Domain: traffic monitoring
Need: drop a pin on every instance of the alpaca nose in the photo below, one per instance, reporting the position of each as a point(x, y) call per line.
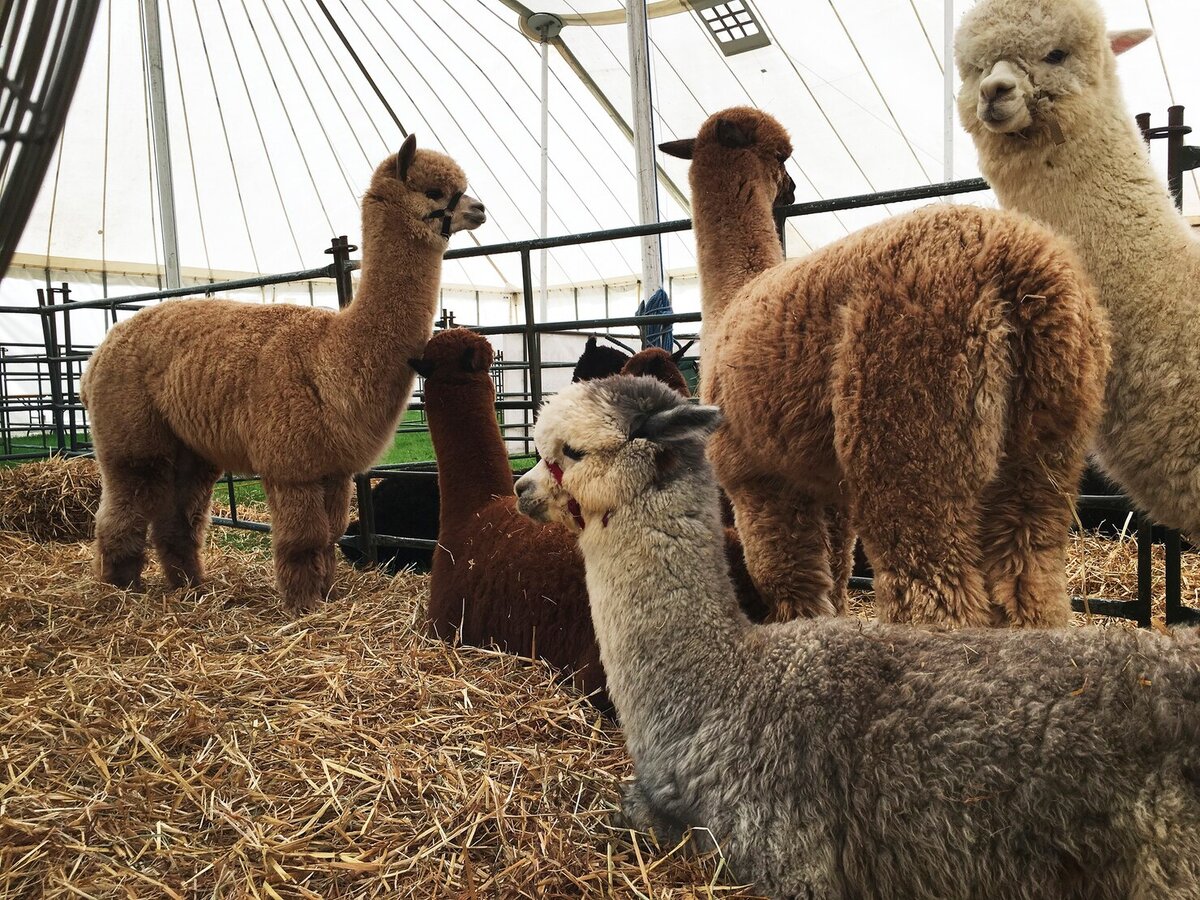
point(472, 210)
point(999, 83)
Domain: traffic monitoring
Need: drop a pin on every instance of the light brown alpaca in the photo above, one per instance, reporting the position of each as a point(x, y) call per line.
point(303, 396)
point(938, 376)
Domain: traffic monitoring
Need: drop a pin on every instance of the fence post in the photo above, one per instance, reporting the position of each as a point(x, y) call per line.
point(5, 421)
point(340, 249)
point(68, 352)
point(1144, 569)
point(53, 370)
point(533, 345)
point(1175, 132)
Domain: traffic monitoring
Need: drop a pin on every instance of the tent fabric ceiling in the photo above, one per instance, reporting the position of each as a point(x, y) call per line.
point(274, 131)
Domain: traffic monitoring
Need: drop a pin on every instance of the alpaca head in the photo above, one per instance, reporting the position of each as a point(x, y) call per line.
point(457, 356)
point(425, 188)
point(1036, 65)
point(598, 362)
point(611, 443)
point(658, 363)
point(743, 140)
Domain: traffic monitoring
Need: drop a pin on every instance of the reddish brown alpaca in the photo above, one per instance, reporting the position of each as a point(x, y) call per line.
point(303, 396)
point(499, 578)
point(938, 375)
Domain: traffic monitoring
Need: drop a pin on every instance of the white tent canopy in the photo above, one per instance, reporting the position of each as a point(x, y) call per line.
point(274, 131)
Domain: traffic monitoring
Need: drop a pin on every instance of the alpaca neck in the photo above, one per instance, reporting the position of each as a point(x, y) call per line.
point(1099, 190)
point(735, 241)
point(473, 466)
point(664, 609)
point(391, 316)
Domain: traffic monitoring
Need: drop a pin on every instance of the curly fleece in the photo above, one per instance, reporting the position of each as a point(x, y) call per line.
point(303, 396)
point(1098, 189)
point(831, 758)
point(939, 375)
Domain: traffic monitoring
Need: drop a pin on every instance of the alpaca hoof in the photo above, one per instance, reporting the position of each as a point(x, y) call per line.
point(302, 606)
point(184, 581)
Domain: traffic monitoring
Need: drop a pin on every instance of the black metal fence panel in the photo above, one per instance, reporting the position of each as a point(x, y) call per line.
point(40, 412)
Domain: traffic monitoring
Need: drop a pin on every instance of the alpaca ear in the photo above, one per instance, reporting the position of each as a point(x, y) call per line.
point(1120, 41)
point(591, 343)
point(405, 157)
point(473, 359)
point(732, 135)
point(682, 149)
point(677, 356)
point(686, 421)
point(421, 367)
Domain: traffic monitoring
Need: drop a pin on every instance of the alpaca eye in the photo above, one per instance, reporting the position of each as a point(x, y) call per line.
point(435, 194)
point(571, 453)
point(1054, 57)
point(781, 158)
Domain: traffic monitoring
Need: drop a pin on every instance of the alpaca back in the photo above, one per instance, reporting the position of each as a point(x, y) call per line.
point(902, 763)
point(982, 269)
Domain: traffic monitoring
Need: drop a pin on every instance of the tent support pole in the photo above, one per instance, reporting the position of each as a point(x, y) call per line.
point(643, 142)
point(162, 144)
point(544, 296)
point(546, 26)
point(948, 91)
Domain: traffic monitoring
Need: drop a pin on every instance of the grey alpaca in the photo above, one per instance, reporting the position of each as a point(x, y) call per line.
point(833, 758)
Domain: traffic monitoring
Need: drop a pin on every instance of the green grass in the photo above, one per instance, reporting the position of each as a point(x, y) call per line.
point(407, 447)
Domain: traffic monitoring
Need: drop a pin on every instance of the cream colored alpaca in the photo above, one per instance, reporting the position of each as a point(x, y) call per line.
point(303, 396)
point(1031, 68)
point(937, 375)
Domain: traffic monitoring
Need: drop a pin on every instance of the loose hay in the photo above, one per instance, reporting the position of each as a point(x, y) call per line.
point(52, 500)
point(204, 744)
point(186, 744)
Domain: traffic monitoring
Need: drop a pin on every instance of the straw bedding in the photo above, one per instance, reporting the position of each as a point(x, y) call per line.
point(53, 500)
point(184, 744)
point(204, 744)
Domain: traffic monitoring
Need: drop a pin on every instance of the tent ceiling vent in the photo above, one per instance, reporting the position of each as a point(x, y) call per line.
point(733, 25)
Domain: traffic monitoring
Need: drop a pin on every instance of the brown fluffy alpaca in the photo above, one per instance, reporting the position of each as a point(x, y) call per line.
point(657, 363)
point(499, 578)
point(302, 396)
point(943, 376)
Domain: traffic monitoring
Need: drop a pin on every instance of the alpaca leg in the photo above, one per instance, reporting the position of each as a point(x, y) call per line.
point(178, 526)
point(130, 492)
point(337, 508)
point(1028, 507)
point(927, 568)
point(787, 550)
point(919, 408)
point(299, 542)
point(841, 555)
point(1024, 542)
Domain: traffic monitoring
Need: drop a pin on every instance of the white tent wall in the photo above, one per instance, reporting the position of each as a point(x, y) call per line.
point(274, 132)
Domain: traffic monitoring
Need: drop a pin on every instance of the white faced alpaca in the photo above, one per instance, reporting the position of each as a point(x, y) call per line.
point(606, 445)
point(1024, 63)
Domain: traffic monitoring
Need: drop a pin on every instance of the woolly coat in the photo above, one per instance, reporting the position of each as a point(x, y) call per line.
point(498, 578)
point(935, 378)
point(302, 396)
point(832, 758)
point(1098, 188)
point(293, 392)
